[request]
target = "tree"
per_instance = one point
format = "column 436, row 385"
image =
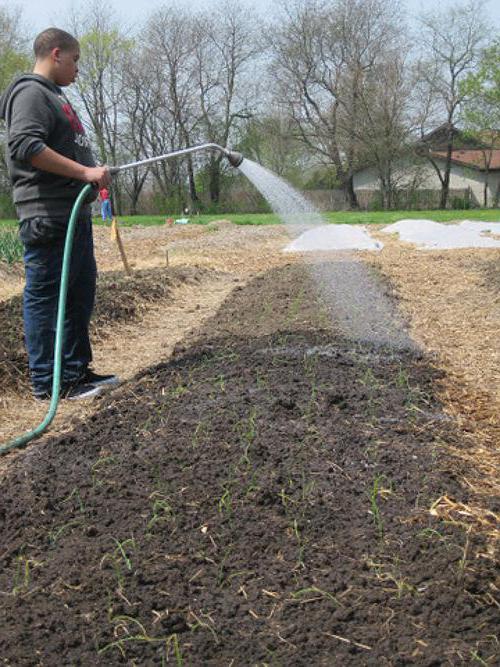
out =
column 322, row 56
column 169, row 52
column 13, row 61
column 384, row 129
column 225, row 47
column 481, row 108
column 452, row 40
column 100, row 86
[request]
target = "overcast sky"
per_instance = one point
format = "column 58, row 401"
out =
column 40, row 14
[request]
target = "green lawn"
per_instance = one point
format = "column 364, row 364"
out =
column 335, row 217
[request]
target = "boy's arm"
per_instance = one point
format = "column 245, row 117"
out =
column 55, row 163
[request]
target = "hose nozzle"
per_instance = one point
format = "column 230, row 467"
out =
column 235, row 158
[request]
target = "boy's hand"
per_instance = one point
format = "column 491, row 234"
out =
column 99, row 175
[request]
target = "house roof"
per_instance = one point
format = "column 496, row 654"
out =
column 474, row 158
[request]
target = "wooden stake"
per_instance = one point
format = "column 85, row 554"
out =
column 115, row 235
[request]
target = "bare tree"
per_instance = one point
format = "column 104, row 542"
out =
column 323, row 53
column 175, row 115
column 14, row 59
column 384, row 130
column 226, row 46
column 100, row 86
column 451, row 40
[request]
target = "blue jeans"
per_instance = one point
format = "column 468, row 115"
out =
column 43, row 265
column 106, row 210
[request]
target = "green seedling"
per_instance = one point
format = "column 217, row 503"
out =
column 99, row 465
column 161, row 510
column 247, row 430
column 475, row 656
column 222, row 566
column 171, row 642
column 225, row 503
column 376, row 491
column 221, row 383
column 119, row 557
column 300, row 544
column 55, row 534
column 76, row 495
column 402, row 586
column 202, row 624
column 261, row 381
column 22, row 576
column 295, row 306
column 297, row 595
column 286, row 500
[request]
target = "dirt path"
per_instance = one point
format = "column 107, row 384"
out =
column 130, row 349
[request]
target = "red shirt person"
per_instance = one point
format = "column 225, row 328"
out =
column 106, row 211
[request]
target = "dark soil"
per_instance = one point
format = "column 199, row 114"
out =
column 261, row 499
column 120, row 299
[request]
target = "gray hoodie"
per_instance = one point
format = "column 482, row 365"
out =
column 38, row 115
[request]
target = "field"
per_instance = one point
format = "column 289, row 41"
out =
column 262, row 489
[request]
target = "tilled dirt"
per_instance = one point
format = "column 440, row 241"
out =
column 120, row 299
column 261, row 498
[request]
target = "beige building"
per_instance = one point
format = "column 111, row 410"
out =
column 475, row 171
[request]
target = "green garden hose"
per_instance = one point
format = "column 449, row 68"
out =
column 23, row 440
column 235, row 159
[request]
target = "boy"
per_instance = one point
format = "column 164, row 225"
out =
column 49, row 160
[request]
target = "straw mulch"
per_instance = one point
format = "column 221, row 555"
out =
column 452, row 302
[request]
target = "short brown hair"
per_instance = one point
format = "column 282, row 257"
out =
column 53, row 38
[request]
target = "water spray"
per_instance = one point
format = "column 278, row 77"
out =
column 235, row 159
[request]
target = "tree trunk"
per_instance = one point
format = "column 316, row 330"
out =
column 192, row 185
column 445, row 186
column 214, row 183
column 350, row 194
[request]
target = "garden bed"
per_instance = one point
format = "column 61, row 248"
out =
column 265, row 497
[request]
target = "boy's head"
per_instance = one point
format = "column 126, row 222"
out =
column 57, row 54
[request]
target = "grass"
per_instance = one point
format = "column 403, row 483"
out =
column 333, row 217
column 11, row 248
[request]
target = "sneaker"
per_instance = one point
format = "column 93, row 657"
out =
column 73, row 392
column 89, row 377
column 80, row 391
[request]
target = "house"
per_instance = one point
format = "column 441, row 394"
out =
column 474, row 175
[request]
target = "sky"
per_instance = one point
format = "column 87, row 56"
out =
column 40, row 14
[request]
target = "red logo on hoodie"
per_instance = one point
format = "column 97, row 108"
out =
column 74, row 121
